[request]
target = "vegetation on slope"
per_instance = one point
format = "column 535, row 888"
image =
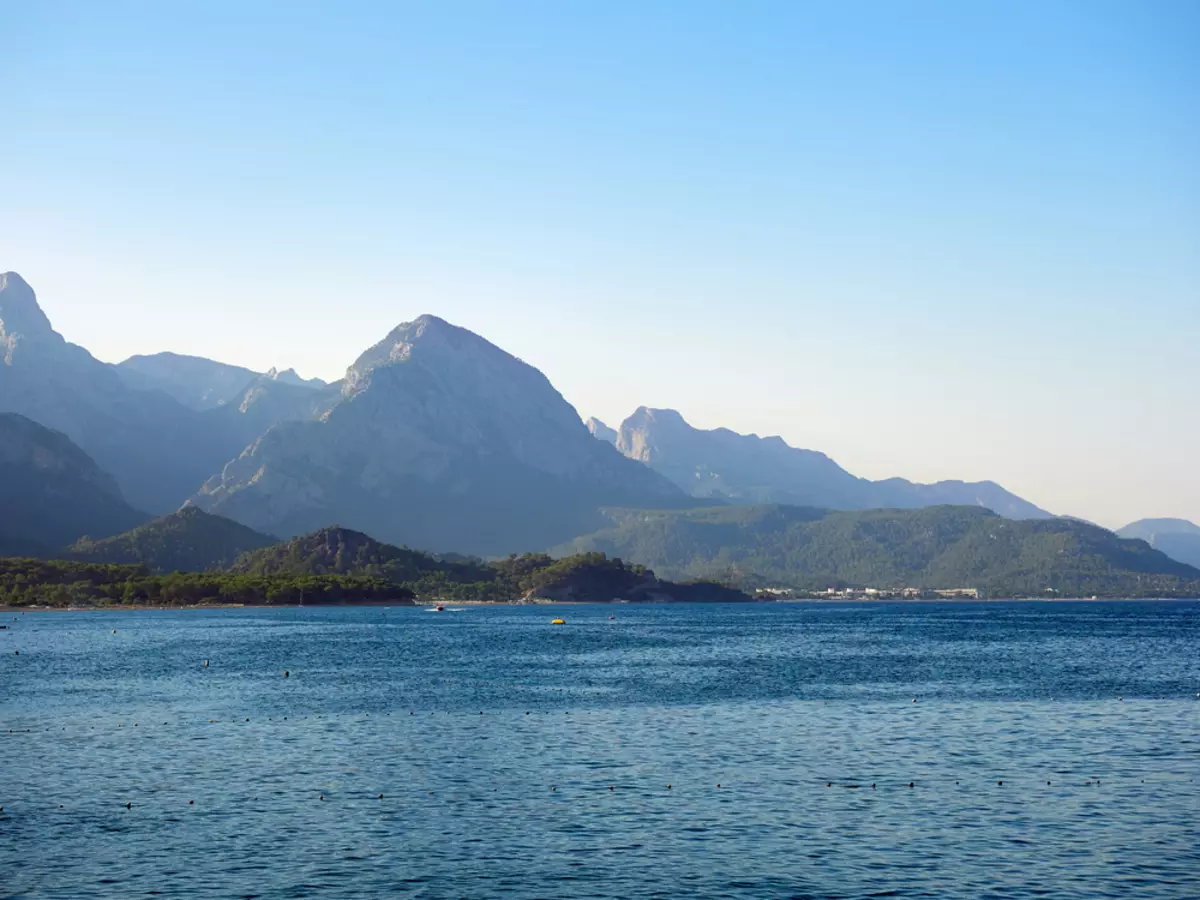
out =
column 59, row 583
column 189, row 540
column 935, row 547
column 591, row 577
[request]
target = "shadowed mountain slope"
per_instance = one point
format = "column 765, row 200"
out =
column 51, row 492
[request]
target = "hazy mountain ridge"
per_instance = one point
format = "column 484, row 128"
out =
column 931, row 548
column 290, row 376
column 157, row 449
column 51, row 492
column 1178, row 538
column 194, row 381
column 198, row 382
column 722, row 464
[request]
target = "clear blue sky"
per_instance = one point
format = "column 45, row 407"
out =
column 935, row 240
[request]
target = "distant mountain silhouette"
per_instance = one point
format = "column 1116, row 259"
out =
column 52, row 493
column 194, row 381
column 1178, row 538
column 740, row 468
column 202, row 383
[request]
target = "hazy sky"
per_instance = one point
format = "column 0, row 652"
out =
column 936, row 240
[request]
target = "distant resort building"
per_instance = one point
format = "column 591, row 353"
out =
column 869, row 593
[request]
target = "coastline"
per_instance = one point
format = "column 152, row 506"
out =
column 122, row 607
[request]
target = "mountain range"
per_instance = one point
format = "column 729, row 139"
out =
column 157, row 448
column 434, row 438
column 729, row 467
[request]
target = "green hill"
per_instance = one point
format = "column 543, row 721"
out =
column 584, row 578
column 189, row 540
column 933, row 548
column 343, row 551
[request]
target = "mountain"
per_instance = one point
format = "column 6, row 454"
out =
column 744, row 468
column 202, row 383
column 289, row 376
column 194, row 381
column 1178, row 538
column 51, row 492
column 600, row 431
column 266, row 401
column 938, row 547
column 437, row 439
column 158, row 449
column 189, row 540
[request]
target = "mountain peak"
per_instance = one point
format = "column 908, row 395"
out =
column 21, row 319
column 291, row 376
column 601, row 432
column 647, row 414
column 426, row 336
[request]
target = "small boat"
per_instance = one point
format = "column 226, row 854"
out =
column 439, row 608
column 559, row 622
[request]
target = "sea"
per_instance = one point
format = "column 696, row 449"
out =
column 780, row 750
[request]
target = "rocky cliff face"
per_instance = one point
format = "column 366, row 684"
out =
column 741, row 468
column 601, row 432
column 158, row 449
column 441, row 440
column 51, row 492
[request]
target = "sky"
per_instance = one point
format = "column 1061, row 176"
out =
column 933, row 240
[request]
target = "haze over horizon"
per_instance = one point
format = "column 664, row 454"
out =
column 932, row 242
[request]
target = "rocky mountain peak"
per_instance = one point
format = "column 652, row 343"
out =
column 642, row 433
column 601, row 432
column 21, row 319
column 291, row 376
column 427, row 338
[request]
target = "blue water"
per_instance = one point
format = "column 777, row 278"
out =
column 520, row 759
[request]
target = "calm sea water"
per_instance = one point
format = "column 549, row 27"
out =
column 520, row 759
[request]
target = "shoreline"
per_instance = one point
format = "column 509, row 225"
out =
column 9, row 610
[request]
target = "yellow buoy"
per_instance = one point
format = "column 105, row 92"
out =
column 559, row 622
